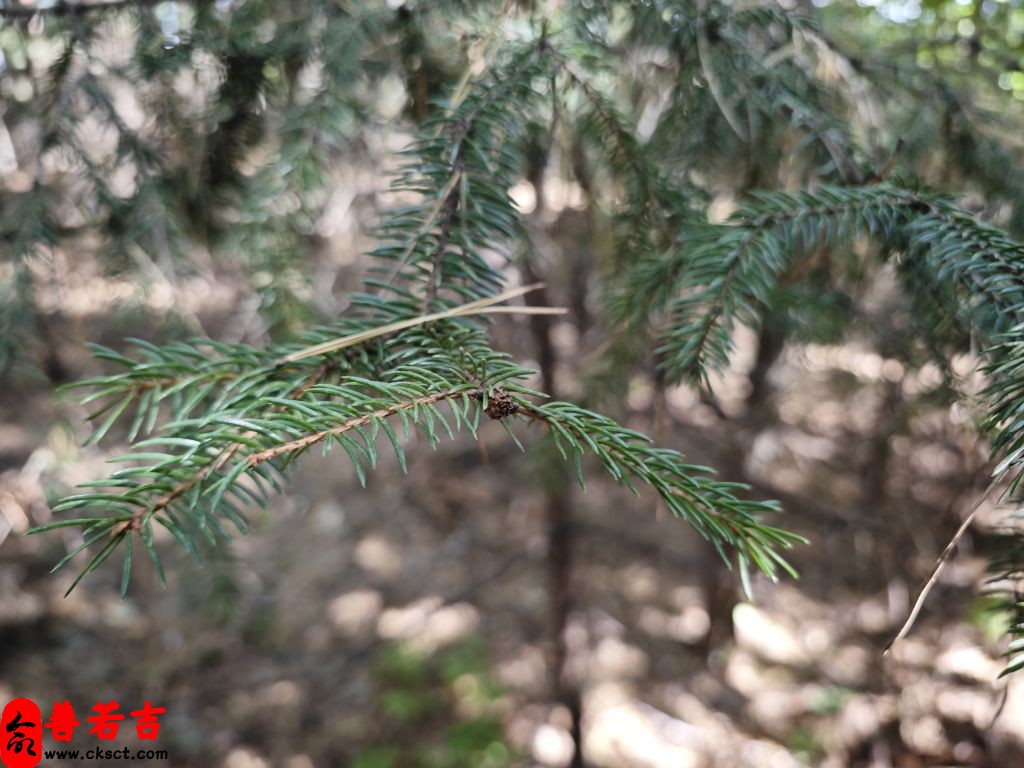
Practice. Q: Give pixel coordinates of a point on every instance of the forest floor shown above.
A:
(407, 623)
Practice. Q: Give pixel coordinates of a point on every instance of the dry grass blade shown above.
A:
(478, 307)
(940, 564)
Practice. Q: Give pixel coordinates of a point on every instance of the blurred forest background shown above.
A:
(171, 170)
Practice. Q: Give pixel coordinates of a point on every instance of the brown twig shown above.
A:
(451, 204)
(889, 165)
(937, 569)
(302, 443)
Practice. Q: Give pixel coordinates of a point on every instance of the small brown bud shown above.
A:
(499, 403)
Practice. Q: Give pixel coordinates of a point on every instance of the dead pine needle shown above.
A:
(479, 307)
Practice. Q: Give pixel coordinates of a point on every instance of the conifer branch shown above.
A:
(466, 150)
(712, 507)
(722, 274)
(234, 456)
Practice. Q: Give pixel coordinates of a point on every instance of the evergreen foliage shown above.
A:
(665, 105)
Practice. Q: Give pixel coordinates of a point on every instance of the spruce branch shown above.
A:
(711, 507)
(464, 162)
(192, 485)
(234, 459)
(720, 275)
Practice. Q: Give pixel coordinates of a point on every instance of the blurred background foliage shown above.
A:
(419, 700)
